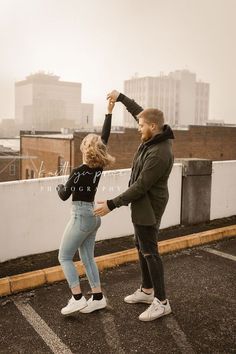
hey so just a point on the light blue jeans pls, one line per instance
(80, 234)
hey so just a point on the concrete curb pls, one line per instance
(16, 283)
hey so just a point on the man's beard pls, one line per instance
(143, 139)
(147, 137)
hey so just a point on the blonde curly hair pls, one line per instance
(95, 152)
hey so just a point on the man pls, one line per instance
(148, 195)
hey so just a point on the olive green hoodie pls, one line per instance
(152, 164)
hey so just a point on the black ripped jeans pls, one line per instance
(152, 272)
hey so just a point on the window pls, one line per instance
(12, 169)
(32, 174)
(26, 173)
(61, 165)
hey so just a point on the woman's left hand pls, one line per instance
(111, 105)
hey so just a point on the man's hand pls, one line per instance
(113, 95)
(102, 210)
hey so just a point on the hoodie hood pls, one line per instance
(166, 134)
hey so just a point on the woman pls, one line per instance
(81, 230)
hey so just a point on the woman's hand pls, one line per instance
(111, 105)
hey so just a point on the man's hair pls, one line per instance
(152, 115)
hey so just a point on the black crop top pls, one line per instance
(83, 180)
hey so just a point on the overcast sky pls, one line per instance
(101, 43)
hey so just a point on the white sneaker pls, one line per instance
(139, 296)
(94, 305)
(155, 310)
(74, 306)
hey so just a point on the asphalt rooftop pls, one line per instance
(200, 285)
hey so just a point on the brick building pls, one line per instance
(49, 155)
(9, 165)
(56, 154)
(9, 159)
(208, 142)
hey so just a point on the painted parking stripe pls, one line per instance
(221, 254)
(113, 340)
(178, 336)
(41, 327)
(111, 334)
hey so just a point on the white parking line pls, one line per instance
(219, 253)
(41, 327)
(111, 334)
(113, 340)
(178, 335)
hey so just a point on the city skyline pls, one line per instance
(103, 44)
(182, 98)
(44, 102)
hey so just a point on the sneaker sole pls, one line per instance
(152, 319)
(73, 312)
(100, 308)
(149, 302)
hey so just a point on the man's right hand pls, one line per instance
(113, 95)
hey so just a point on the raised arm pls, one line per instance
(131, 106)
(106, 129)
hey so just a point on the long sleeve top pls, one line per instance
(83, 181)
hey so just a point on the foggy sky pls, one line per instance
(101, 43)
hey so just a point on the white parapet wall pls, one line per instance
(223, 189)
(33, 218)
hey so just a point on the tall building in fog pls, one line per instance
(183, 100)
(43, 102)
